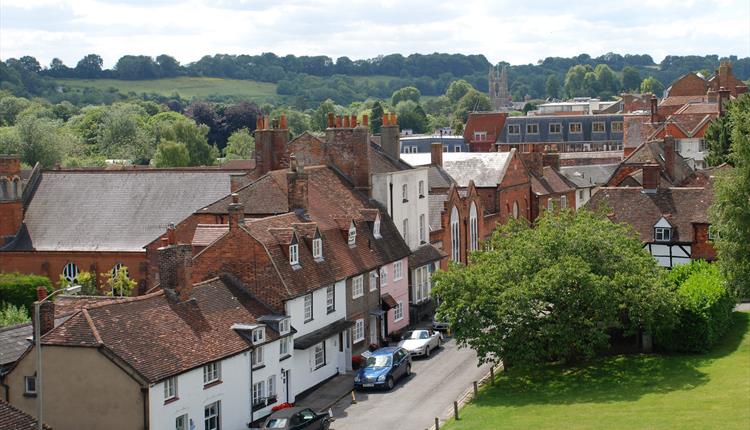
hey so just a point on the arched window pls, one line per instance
(515, 209)
(16, 188)
(455, 236)
(70, 272)
(473, 230)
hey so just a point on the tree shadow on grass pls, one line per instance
(610, 379)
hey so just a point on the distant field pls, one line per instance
(187, 87)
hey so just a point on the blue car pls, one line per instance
(384, 368)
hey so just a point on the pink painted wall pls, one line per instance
(399, 290)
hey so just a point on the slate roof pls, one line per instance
(114, 210)
(544, 135)
(589, 175)
(206, 234)
(437, 177)
(12, 418)
(553, 182)
(380, 162)
(426, 253)
(680, 206)
(436, 203)
(159, 337)
(486, 169)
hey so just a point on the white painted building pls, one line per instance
(404, 195)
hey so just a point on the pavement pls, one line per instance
(436, 382)
(324, 397)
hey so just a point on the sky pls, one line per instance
(519, 32)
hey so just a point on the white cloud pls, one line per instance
(517, 32)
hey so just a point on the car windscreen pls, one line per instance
(416, 334)
(276, 423)
(378, 361)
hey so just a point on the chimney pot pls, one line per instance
(365, 121)
(171, 234)
(41, 293)
(654, 109)
(338, 121)
(235, 198)
(346, 121)
(353, 121)
(282, 121)
(331, 120)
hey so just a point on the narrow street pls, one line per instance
(415, 402)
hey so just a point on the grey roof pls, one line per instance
(423, 143)
(115, 210)
(544, 135)
(437, 177)
(16, 339)
(589, 175)
(435, 202)
(486, 169)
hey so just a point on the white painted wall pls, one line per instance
(412, 209)
(583, 195)
(690, 149)
(303, 375)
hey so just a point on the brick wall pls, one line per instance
(11, 218)
(701, 247)
(688, 85)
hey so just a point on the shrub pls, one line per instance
(11, 314)
(705, 311)
(20, 290)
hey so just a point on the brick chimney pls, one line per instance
(175, 269)
(236, 212)
(723, 98)
(389, 136)
(725, 71)
(551, 158)
(296, 183)
(654, 109)
(651, 177)
(348, 149)
(11, 191)
(534, 163)
(271, 138)
(46, 312)
(436, 154)
(669, 155)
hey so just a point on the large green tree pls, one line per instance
(730, 213)
(472, 101)
(552, 86)
(458, 89)
(171, 154)
(404, 94)
(240, 145)
(631, 79)
(376, 120)
(652, 85)
(552, 292)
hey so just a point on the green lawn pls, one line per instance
(187, 87)
(708, 391)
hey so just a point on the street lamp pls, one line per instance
(38, 346)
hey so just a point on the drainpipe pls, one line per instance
(6, 388)
(252, 351)
(144, 394)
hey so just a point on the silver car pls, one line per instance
(421, 342)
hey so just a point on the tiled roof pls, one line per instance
(12, 418)
(380, 162)
(699, 107)
(490, 122)
(642, 210)
(425, 254)
(115, 210)
(206, 234)
(653, 151)
(486, 169)
(593, 174)
(553, 182)
(681, 100)
(266, 196)
(159, 337)
(437, 177)
(637, 129)
(436, 203)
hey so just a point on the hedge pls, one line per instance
(20, 290)
(704, 314)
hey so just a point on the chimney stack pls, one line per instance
(650, 177)
(282, 122)
(669, 154)
(389, 136)
(346, 121)
(11, 205)
(436, 154)
(175, 270)
(551, 158)
(296, 185)
(236, 212)
(533, 162)
(46, 312)
(654, 109)
(723, 98)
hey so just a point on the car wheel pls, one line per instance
(408, 370)
(389, 383)
(440, 342)
(427, 351)
(325, 425)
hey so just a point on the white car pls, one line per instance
(421, 342)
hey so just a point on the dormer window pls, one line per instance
(259, 335)
(376, 227)
(662, 231)
(317, 246)
(284, 326)
(352, 234)
(294, 253)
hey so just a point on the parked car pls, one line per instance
(421, 342)
(296, 418)
(383, 368)
(440, 325)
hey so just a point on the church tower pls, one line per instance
(498, 88)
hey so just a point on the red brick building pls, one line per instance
(482, 130)
(550, 189)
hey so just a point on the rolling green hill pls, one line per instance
(187, 87)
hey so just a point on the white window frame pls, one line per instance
(456, 148)
(257, 357)
(563, 201)
(373, 280)
(308, 307)
(26, 380)
(383, 276)
(662, 234)
(170, 388)
(358, 287)
(317, 248)
(214, 414)
(421, 189)
(711, 234)
(398, 312)
(405, 193)
(575, 125)
(70, 271)
(422, 230)
(558, 127)
(294, 254)
(182, 422)
(258, 335)
(331, 299)
(398, 271)
(259, 392)
(480, 136)
(319, 355)
(533, 125)
(600, 124)
(514, 129)
(284, 346)
(358, 332)
(352, 239)
(455, 236)
(284, 326)
(376, 227)
(617, 126)
(211, 372)
(473, 228)
(515, 209)
(271, 387)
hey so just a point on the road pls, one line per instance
(415, 402)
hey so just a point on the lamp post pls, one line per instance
(38, 346)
